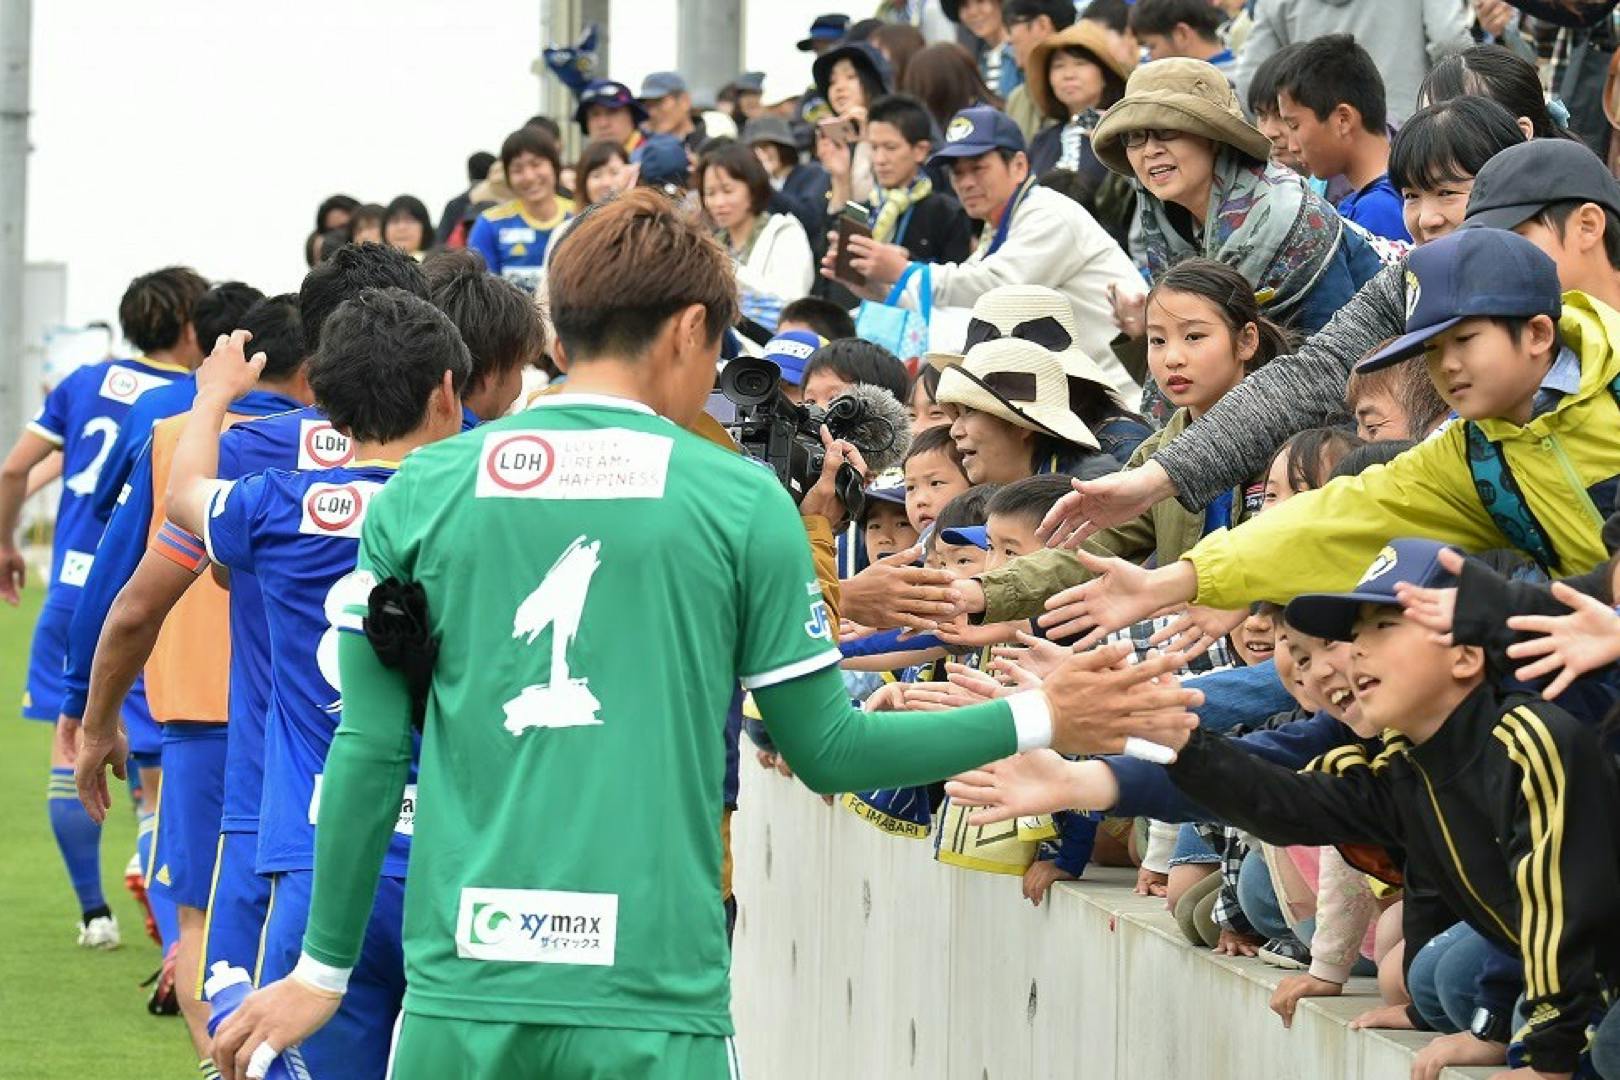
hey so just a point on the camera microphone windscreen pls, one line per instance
(883, 433)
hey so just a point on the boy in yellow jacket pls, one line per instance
(1530, 463)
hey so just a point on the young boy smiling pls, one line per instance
(1479, 789)
(1531, 466)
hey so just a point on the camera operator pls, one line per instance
(663, 573)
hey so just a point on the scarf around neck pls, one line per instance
(891, 203)
(1264, 221)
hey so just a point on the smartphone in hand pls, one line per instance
(853, 220)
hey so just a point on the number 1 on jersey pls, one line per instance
(558, 604)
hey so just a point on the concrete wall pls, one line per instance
(857, 955)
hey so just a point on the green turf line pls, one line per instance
(66, 1013)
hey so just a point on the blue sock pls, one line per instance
(78, 838)
(163, 909)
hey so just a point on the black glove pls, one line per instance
(396, 624)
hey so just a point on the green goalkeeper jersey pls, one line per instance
(599, 580)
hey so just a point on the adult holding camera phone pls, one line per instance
(1032, 236)
(849, 78)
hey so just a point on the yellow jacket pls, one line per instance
(1322, 540)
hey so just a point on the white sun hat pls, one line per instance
(1017, 381)
(1030, 313)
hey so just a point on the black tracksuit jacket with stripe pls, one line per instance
(1507, 819)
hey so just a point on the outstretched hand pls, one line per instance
(892, 592)
(1107, 501)
(1120, 593)
(1433, 609)
(1099, 699)
(1571, 645)
(1019, 786)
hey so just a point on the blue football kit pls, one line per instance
(81, 416)
(299, 534)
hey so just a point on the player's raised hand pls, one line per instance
(1099, 700)
(893, 592)
(283, 1014)
(229, 372)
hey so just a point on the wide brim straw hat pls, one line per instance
(1177, 94)
(1019, 382)
(1089, 38)
(1031, 313)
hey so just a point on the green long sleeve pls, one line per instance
(363, 782)
(835, 747)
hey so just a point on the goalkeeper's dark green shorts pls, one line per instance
(431, 1048)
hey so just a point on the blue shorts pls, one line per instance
(189, 800)
(145, 734)
(355, 1042)
(237, 904)
(42, 696)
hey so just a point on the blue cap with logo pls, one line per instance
(1468, 274)
(977, 131)
(968, 535)
(791, 351)
(1333, 615)
(613, 95)
(661, 84)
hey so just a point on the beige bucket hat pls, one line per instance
(1020, 382)
(1090, 38)
(1176, 94)
(1029, 313)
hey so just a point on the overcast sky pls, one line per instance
(206, 133)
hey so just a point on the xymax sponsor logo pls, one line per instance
(537, 926)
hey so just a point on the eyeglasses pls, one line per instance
(1137, 139)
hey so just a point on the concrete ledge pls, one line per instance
(857, 955)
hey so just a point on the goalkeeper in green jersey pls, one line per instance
(598, 580)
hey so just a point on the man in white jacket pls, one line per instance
(1031, 236)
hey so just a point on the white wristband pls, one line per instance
(1032, 719)
(1158, 753)
(324, 977)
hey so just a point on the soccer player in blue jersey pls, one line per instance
(499, 324)
(512, 237)
(80, 419)
(390, 371)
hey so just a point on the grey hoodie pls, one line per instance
(1405, 38)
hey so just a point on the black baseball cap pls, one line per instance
(1521, 181)
(1470, 273)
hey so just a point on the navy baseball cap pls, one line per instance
(1470, 273)
(977, 131)
(976, 535)
(824, 28)
(614, 95)
(661, 84)
(791, 351)
(663, 160)
(1333, 615)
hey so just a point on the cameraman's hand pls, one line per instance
(822, 500)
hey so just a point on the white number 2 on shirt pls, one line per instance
(558, 604)
(83, 482)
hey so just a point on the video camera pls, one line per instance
(787, 436)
